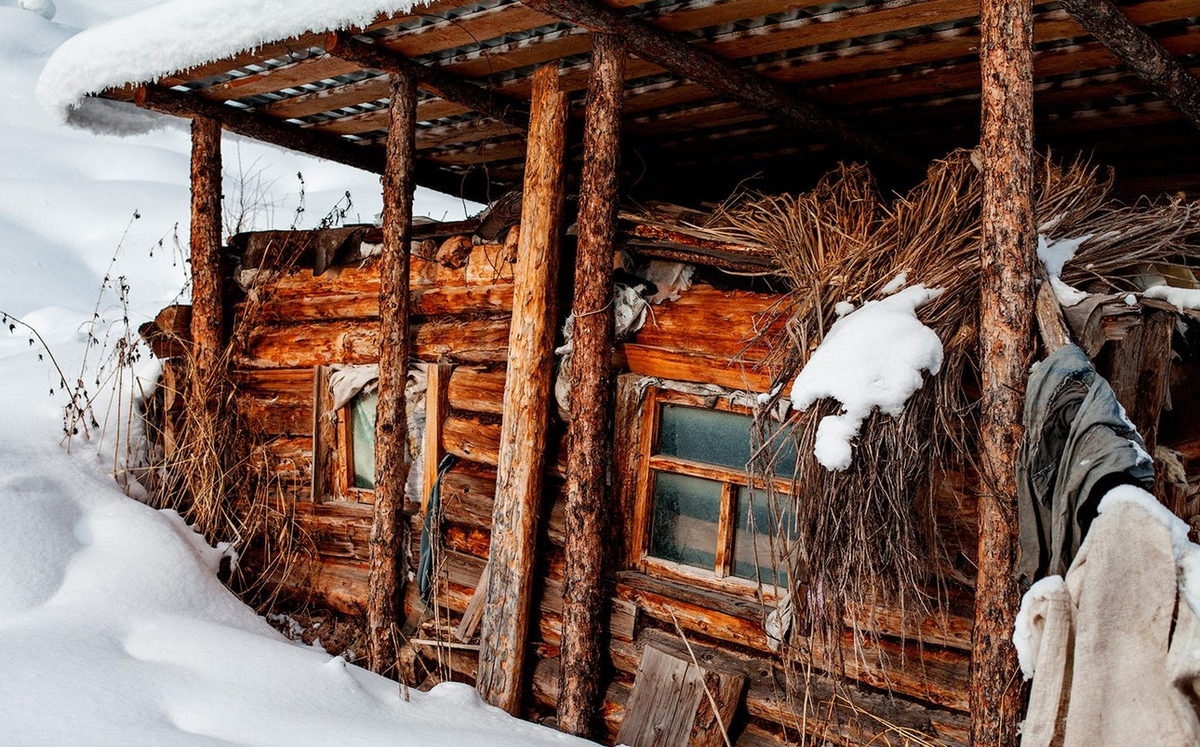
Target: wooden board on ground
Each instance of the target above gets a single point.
(673, 703)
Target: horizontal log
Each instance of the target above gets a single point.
(733, 322)
(356, 342)
(830, 716)
(478, 440)
(926, 673)
(275, 418)
(676, 365)
(477, 389)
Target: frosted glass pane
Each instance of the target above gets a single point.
(751, 538)
(711, 436)
(716, 437)
(684, 524)
(362, 429)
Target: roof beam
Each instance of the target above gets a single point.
(720, 75)
(269, 130)
(443, 84)
(1141, 53)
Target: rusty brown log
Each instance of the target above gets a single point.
(444, 85)
(1141, 53)
(588, 432)
(720, 76)
(1007, 306)
(391, 425)
(523, 438)
(207, 319)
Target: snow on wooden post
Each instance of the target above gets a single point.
(1007, 303)
(391, 425)
(588, 434)
(526, 401)
(208, 306)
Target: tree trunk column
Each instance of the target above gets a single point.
(1007, 304)
(589, 436)
(208, 306)
(391, 424)
(527, 387)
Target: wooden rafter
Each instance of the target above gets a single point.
(720, 75)
(1141, 52)
(446, 86)
(269, 130)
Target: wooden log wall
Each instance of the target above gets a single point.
(461, 309)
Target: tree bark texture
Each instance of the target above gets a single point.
(527, 389)
(1141, 53)
(1007, 310)
(589, 436)
(391, 425)
(208, 306)
(719, 75)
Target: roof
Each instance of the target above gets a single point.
(903, 71)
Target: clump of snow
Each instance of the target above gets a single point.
(1055, 253)
(1027, 636)
(1130, 299)
(44, 8)
(895, 284)
(1067, 295)
(176, 35)
(1181, 298)
(843, 308)
(872, 358)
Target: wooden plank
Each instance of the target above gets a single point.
(290, 75)
(437, 405)
(676, 365)
(671, 704)
(526, 402)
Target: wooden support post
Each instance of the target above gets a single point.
(1141, 52)
(208, 306)
(1007, 304)
(526, 401)
(391, 424)
(588, 431)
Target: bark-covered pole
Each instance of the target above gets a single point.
(525, 418)
(1007, 303)
(208, 306)
(391, 424)
(588, 432)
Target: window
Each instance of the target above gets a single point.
(699, 516)
(356, 428)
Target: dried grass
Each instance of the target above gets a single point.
(867, 537)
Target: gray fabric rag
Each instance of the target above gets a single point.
(1078, 444)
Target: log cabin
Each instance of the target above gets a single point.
(384, 369)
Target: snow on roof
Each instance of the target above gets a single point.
(172, 36)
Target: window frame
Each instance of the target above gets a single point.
(344, 471)
(721, 578)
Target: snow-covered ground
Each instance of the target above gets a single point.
(113, 627)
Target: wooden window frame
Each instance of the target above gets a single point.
(721, 577)
(344, 472)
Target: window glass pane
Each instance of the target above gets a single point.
(683, 527)
(362, 429)
(711, 436)
(717, 437)
(751, 537)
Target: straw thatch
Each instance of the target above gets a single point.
(867, 536)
